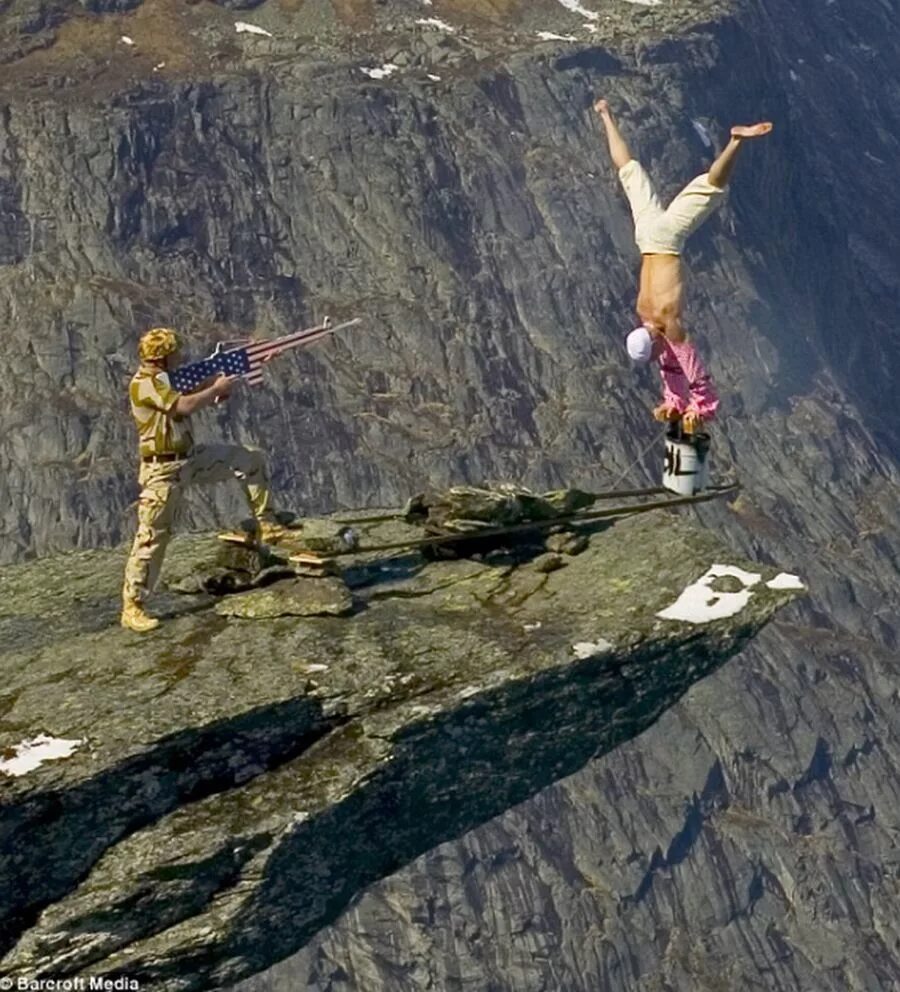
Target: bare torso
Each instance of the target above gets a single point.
(661, 292)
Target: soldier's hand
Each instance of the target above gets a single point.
(601, 106)
(222, 387)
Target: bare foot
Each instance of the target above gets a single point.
(602, 107)
(751, 130)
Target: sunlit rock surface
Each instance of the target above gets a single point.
(230, 785)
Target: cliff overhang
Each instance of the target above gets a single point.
(222, 788)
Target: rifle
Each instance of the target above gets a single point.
(248, 358)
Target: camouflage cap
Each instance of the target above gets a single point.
(157, 343)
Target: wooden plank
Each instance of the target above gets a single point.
(238, 537)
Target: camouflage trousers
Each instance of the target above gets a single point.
(162, 490)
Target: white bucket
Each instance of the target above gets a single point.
(686, 468)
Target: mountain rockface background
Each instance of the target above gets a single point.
(463, 203)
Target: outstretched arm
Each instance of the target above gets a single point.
(190, 403)
(687, 388)
(703, 399)
(618, 150)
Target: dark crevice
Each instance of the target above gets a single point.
(713, 797)
(593, 59)
(864, 750)
(819, 769)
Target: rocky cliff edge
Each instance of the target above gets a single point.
(189, 806)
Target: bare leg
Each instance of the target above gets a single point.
(720, 171)
(618, 150)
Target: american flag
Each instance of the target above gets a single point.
(248, 360)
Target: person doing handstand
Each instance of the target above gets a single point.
(660, 231)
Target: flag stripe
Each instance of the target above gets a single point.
(292, 340)
(288, 339)
(277, 348)
(297, 337)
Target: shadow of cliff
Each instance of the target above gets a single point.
(50, 840)
(445, 777)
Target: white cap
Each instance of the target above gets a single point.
(640, 345)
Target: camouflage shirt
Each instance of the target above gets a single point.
(152, 402)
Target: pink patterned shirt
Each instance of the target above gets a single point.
(686, 383)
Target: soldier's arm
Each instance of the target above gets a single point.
(186, 404)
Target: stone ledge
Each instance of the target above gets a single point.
(234, 777)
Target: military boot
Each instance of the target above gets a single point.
(135, 618)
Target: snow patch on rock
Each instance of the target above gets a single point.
(588, 649)
(242, 27)
(699, 603)
(33, 753)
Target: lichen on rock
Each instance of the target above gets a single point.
(298, 597)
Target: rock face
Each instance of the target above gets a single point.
(223, 788)
(302, 597)
(253, 181)
(260, 183)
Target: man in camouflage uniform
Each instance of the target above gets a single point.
(170, 461)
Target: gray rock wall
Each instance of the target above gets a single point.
(476, 223)
(747, 840)
(266, 199)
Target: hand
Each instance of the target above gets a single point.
(691, 422)
(601, 106)
(665, 412)
(222, 387)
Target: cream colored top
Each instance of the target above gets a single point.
(153, 399)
